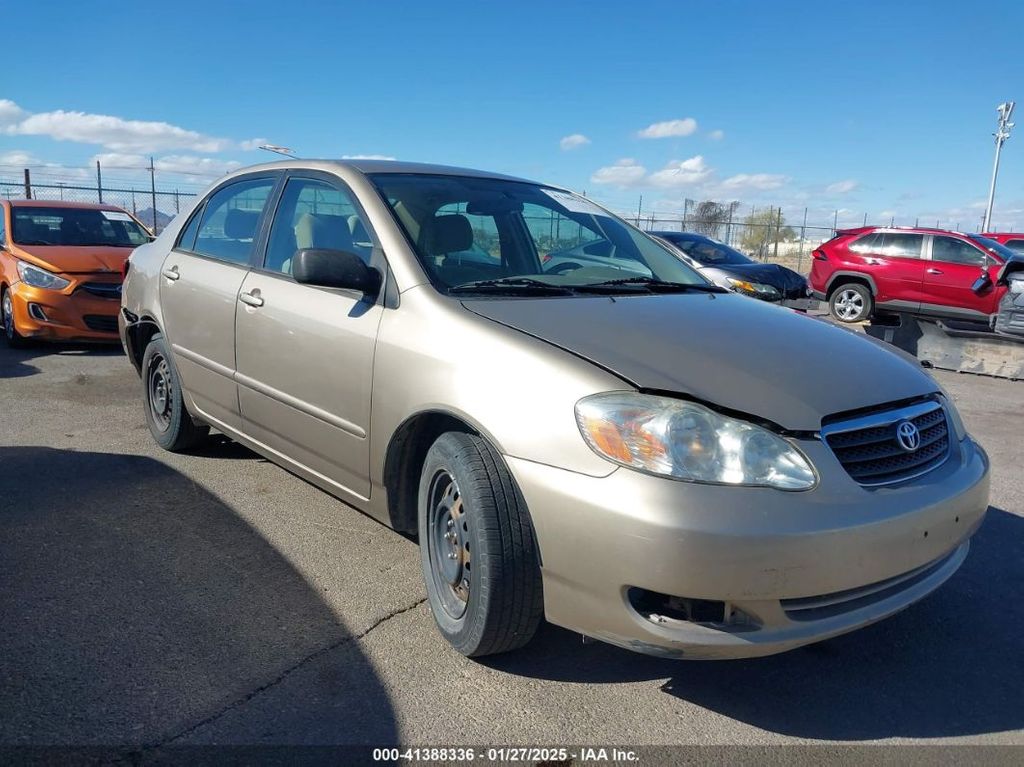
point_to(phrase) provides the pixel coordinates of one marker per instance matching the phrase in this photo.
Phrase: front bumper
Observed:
(62, 315)
(797, 566)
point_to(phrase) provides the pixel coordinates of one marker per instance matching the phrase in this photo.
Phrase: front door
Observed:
(954, 267)
(305, 354)
(199, 284)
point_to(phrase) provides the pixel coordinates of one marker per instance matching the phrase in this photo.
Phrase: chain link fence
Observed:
(154, 207)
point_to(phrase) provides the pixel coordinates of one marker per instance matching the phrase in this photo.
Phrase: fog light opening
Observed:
(36, 312)
(666, 610)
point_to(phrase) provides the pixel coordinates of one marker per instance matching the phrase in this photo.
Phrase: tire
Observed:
(477, 548)
(851, 302)
(12, 337)
(169, 421)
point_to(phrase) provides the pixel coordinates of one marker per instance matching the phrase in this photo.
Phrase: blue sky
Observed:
(878, 108)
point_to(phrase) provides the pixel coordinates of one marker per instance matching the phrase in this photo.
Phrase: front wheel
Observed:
(169, 421)
(851, 302)
(477, 548)
(13, 338)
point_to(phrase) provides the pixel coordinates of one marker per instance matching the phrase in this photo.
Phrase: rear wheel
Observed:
(168, 420)
(851, 302)
(11, 335)
(477, 548)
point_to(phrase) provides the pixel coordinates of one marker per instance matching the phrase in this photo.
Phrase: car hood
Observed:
(781, 366)
(77, 259)
(788, 282)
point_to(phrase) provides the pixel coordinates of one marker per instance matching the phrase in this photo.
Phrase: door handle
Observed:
(933, 270)
(171, 273)
(251, 299)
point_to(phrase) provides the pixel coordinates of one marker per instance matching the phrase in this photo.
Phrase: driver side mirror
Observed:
(335, 269)
(983, 283)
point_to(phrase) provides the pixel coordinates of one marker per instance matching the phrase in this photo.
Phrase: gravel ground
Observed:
(151, 599)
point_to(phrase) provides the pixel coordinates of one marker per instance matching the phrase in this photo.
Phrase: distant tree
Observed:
(709, 217)
(763, 228)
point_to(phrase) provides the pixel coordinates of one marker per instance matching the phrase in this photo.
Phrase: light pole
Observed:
(1002, 133)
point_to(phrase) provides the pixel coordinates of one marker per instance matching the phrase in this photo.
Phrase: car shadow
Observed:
(950, 665)
(17, 363)
(136, 606)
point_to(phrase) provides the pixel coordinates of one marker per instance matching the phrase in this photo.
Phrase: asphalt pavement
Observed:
(150, 599)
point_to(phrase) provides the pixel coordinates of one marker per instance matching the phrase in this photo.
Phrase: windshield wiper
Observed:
(512, 285)
(653, 284)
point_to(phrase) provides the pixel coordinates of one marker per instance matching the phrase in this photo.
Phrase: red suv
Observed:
(1012, 240)
(929, 272)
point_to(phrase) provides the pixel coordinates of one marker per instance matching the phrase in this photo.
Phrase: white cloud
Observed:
(625, 172)
(842, 187)
(573, 141)
(685, 127)
(716, 135)
(10, 112)
(114, 133)
(251, 144)
(687, 173)
(761, 182)
(19, 158)
(367, 157)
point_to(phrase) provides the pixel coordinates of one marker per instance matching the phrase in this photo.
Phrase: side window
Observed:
(898, 245)
(314, 214)
(956, 251)
(228, 227)
(1017, 246)
(869, 243)
(187, 239)
(3, 227)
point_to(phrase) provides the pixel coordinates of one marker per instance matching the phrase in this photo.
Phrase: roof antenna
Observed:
(278, 150)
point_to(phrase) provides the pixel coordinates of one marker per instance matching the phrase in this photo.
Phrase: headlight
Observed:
(687, 441)
(40, 278)
(757, 288)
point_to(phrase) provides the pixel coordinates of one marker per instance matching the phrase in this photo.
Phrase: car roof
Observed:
(903, 229)
(687, 235)
(62, 204)
(370, 166)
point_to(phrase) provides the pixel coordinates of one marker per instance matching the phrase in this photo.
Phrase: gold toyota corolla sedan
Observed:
(577, 425)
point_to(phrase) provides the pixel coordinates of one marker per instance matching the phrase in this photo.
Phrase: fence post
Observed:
(152, 191)
(135, 210)
(778, 233)
(28, 184)
(99, 183)
(835, 223)
(800, 256)
(177, 202)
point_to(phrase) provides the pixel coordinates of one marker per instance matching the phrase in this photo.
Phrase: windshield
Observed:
(482, 235)
(75, 226)
(707, 252)
(996, 247)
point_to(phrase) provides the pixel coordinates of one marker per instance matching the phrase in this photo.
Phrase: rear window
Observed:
(75, 226)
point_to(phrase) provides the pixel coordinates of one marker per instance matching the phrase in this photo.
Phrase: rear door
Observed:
(953, 267)
(304, 353)
(199, 284)
(895, 262)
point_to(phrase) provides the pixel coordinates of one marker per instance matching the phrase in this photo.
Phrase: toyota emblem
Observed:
(908, 435)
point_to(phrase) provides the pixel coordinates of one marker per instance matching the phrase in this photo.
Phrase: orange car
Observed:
(61, 268)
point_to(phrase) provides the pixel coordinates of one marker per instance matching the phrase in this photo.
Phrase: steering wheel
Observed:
(566, 266)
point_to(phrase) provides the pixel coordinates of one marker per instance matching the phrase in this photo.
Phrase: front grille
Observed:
(101, 322)
(869, 450)
(103, 289)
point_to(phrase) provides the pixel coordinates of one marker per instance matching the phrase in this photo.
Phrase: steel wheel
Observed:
(448, 543)
(160, 387)
(8, 316)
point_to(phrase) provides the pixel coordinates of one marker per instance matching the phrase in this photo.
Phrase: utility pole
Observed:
(1002, 133)
(152, 191)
